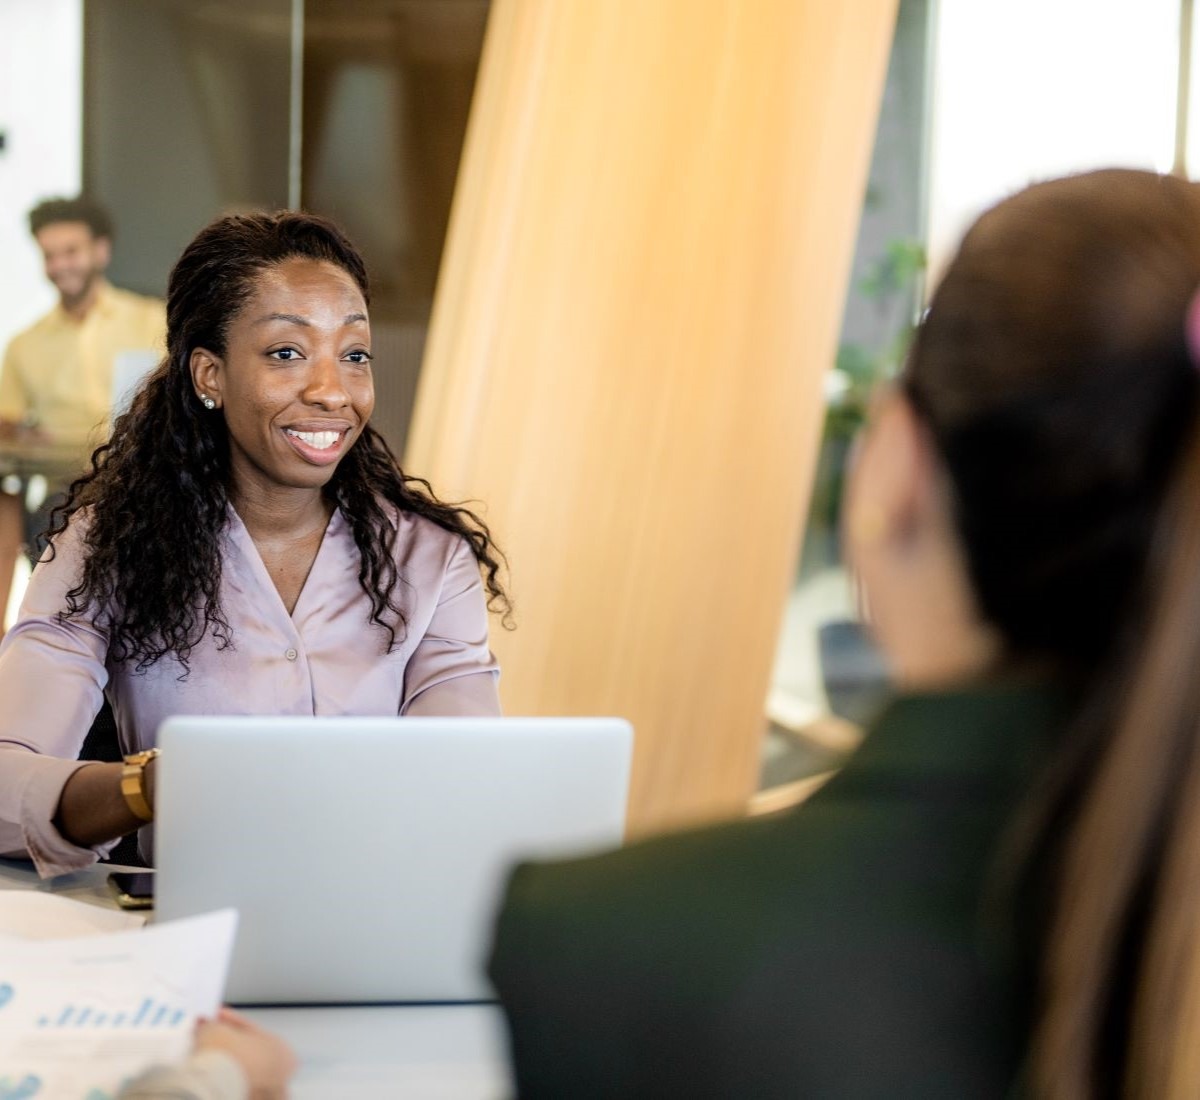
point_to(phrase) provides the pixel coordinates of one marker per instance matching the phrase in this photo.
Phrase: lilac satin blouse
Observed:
(326, 658)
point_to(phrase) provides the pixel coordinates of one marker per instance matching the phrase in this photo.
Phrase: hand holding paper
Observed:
(80, 1016)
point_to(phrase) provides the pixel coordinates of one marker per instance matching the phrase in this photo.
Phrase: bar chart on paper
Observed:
(149, 1013)
(81, 1015)
(83, 1039)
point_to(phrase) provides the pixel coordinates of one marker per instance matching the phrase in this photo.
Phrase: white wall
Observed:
(41, 51)
(1027, 89)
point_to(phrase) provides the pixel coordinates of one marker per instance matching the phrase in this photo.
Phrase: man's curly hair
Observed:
(80, 209)
(157, 493)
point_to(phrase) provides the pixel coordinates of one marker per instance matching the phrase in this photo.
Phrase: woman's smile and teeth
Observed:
(317, 445)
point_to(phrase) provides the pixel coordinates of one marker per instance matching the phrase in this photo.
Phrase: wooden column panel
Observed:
(638, 302)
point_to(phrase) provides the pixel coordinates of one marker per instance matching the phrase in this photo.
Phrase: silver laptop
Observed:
(365, 856)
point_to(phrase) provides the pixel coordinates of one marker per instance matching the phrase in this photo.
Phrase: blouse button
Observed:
(290, 654)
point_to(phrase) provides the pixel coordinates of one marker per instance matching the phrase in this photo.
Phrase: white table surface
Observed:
(423, 1052)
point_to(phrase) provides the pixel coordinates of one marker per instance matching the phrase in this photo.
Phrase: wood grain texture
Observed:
(638, 302)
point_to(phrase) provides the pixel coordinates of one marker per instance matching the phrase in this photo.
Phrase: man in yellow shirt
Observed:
(56, 384)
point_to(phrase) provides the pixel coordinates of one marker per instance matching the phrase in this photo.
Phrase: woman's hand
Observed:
(266, 1059)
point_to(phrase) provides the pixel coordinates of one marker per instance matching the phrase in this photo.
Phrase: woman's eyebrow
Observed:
(293, 318)
(296, 319)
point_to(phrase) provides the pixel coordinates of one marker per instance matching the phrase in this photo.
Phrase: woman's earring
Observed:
(208, 403)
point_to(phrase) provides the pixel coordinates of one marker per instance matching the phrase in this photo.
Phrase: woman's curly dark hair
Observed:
(157, 493)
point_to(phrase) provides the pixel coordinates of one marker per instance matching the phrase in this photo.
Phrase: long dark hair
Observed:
(156, 498)
(1054, 372)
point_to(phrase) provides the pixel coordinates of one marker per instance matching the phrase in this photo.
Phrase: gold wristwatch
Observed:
(133, 786)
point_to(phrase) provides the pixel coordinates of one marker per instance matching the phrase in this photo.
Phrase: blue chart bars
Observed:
(149, 1014)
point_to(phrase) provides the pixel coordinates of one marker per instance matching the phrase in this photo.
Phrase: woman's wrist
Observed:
(91, 808)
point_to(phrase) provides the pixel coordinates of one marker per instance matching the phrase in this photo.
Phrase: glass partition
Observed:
(186, 116)
(355, 109)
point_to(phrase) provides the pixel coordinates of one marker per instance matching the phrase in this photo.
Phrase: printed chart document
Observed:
(80, 1016)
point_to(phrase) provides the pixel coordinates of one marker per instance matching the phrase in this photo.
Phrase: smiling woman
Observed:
(246, 543)
(295, 380)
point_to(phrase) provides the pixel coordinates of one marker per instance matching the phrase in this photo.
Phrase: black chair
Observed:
(101, 744)
(101, 741)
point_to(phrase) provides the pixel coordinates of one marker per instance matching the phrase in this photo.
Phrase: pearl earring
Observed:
(208, 403)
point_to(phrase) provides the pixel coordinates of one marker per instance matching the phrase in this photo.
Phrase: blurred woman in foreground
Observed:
(1001, 890)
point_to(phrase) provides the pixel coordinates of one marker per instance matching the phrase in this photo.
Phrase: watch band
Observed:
(133, 787)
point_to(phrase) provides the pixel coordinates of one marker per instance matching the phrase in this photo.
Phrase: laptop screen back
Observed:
(366, 855)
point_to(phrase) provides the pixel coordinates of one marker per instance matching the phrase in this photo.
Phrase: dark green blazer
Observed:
(851, 947)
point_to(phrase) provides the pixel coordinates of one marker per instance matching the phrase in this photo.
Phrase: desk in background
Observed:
(56, 462)
(369, 1052)
(24, 464)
